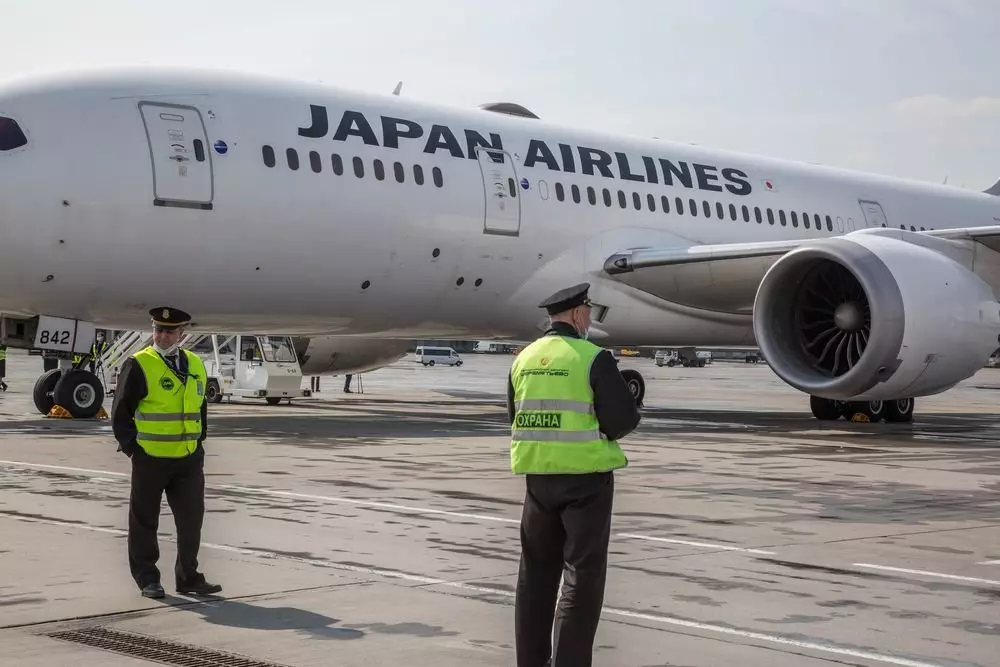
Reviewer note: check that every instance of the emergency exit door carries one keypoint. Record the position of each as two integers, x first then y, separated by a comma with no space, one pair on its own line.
500,187
178,147
874,215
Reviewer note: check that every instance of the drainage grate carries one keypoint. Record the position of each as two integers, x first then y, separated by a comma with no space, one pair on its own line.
156,650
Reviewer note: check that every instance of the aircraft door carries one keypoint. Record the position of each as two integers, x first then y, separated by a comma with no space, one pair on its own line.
874,215
178,148
500,187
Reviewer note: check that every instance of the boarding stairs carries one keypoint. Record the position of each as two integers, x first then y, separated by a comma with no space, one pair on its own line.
127,344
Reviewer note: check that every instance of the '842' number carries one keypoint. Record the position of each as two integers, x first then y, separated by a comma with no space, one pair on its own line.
54,337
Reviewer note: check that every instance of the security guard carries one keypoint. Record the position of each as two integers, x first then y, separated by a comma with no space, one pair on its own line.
159,419
568,405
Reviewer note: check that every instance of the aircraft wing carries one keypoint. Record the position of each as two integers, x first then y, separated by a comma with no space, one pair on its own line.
725,277
711,277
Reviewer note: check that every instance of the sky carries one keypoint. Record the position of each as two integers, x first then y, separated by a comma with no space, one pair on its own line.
908,88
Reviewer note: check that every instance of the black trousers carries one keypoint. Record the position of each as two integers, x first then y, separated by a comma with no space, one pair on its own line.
566,520
184,482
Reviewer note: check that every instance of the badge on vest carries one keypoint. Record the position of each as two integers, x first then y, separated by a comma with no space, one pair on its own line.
167,383
539,420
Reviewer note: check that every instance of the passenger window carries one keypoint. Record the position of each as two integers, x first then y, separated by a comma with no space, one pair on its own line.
592,196
199,150
829,224
621,199
732,211
511,185
315,161
746,214
693,207
379,170
439,178
805,220
268,154
651,202
770,217
706,208
418,174
665,202
399,172
678,206
293,159
757,215
607,197
719,211
338,164
817,222
575,190
795,219
636,201
359,167
12,136
560,192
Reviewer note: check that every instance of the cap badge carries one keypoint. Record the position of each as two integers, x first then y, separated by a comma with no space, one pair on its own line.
166,313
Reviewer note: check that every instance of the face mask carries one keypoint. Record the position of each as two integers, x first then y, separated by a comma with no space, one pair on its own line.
165,352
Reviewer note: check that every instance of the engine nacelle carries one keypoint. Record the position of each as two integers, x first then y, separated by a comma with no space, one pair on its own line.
871,317
322,355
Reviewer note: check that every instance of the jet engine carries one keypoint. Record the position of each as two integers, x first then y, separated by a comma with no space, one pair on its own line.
340,355
870,317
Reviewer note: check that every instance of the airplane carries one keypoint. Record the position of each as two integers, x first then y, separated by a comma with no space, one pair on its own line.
264,205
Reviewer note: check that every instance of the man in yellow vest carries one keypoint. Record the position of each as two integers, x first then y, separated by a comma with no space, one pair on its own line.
568,405
159,420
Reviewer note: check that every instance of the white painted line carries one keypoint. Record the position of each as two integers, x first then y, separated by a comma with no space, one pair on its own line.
381,505
989,562
287,494
924,573
611,611
707,545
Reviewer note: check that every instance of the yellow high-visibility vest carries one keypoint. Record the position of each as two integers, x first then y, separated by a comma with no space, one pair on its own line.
555,427
168,419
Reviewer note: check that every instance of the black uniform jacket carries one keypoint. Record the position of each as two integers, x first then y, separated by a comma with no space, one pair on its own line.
130,390
614,404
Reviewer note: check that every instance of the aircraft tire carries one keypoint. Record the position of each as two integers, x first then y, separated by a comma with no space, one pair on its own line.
80,392
636,384
44,386
899,410
873,410
825,409
272,400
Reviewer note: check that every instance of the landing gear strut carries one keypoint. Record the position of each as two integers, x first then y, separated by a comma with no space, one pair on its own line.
897,410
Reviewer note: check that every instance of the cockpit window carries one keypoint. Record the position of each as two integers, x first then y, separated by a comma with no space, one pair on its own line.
11,135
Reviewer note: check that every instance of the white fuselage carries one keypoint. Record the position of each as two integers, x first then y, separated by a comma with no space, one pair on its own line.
372,252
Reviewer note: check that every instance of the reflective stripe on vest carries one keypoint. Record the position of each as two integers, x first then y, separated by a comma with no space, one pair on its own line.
555,427
168,418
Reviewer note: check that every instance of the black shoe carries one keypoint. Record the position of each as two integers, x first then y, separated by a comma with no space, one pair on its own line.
153,590
202,588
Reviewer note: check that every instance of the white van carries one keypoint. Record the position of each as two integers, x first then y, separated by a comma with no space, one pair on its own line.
428,356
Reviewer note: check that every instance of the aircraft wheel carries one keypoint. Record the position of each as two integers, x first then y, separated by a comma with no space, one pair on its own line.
80,392
44,386
825,409
873,410
636,385
272,400
899,410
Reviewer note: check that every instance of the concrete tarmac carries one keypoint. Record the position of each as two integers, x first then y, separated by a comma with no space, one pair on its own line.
382,529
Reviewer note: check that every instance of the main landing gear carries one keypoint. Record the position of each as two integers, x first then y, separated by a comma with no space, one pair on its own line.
69,392
898,410
636,385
